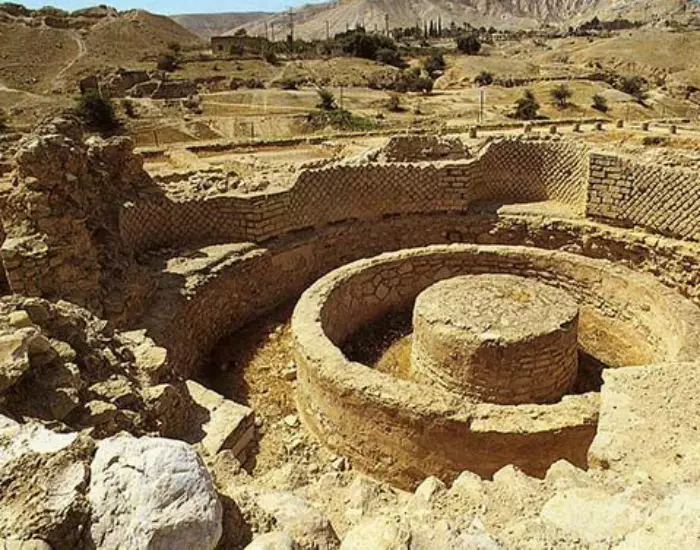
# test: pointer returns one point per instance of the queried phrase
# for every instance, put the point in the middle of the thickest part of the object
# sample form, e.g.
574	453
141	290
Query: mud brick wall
627	193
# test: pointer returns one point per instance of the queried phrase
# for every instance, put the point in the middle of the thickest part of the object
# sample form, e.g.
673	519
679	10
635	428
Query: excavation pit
496	338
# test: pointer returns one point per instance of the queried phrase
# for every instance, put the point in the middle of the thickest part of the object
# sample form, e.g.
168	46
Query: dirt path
82	50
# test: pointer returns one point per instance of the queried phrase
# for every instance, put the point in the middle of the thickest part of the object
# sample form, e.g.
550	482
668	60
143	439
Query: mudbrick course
422	347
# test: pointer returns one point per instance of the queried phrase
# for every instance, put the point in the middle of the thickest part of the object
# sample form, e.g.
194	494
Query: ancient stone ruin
425	347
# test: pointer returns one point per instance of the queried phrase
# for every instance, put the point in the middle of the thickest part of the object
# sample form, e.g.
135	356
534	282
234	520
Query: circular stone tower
496	338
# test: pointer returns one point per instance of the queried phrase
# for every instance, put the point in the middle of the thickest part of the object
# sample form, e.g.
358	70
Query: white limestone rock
309	528
275	540
382	533
593	515
152	493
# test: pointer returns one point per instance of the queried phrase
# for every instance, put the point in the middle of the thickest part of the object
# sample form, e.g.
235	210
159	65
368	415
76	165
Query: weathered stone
276	540
44	478
310	528
382	533
152	493
229	425
14	359
592	515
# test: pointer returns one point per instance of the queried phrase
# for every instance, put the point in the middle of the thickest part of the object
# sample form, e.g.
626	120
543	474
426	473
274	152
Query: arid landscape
358	275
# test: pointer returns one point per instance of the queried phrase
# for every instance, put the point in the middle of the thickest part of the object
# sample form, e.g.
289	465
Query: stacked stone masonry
496	338
372	417
663	200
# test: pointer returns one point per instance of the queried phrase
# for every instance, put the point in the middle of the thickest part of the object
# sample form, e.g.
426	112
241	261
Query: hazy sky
175	6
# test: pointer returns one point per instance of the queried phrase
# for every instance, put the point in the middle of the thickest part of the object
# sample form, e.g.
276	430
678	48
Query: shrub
326	100
634	86
389	57
526	107
168	62
270	56
561	95
174	47
288	83
434	64
393	104
411	80
600	103
484	78
340	119
469	44
96	111
4	119
129	108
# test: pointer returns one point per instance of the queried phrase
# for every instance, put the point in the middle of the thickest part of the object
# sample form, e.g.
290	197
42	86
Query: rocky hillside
310	20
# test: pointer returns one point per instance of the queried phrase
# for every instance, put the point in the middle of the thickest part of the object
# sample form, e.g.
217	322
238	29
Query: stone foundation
496	338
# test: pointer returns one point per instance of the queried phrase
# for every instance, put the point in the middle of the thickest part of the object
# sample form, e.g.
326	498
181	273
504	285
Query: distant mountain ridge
314	20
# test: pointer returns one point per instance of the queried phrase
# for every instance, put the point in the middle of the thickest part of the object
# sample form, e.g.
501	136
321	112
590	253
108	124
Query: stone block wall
663	200
507	170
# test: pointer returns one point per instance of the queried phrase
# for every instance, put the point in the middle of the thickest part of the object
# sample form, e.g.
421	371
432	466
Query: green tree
469	44
526	107
434	64
561	95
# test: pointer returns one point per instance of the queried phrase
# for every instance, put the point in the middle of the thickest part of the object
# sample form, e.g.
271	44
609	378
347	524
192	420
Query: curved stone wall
191	322
402	431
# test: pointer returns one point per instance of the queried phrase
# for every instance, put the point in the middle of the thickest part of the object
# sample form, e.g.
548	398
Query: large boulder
152	493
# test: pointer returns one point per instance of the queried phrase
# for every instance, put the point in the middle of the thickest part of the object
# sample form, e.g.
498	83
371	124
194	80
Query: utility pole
481	106
266	36
328	30
272	31
386	23
291	25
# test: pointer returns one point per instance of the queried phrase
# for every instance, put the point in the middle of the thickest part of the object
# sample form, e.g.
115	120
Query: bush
469	44
168	62
174	47
526	107
339	119
129	108
484	78
600	103
634	86
389	57
288	83
270	57
434	64
326	100
561	94
96	111
4	119
393	104
411	80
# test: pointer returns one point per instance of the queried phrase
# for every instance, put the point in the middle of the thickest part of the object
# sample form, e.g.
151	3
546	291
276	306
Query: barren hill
66	46
206	25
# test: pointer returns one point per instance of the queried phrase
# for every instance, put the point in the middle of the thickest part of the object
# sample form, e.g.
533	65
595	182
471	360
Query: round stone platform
496	338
